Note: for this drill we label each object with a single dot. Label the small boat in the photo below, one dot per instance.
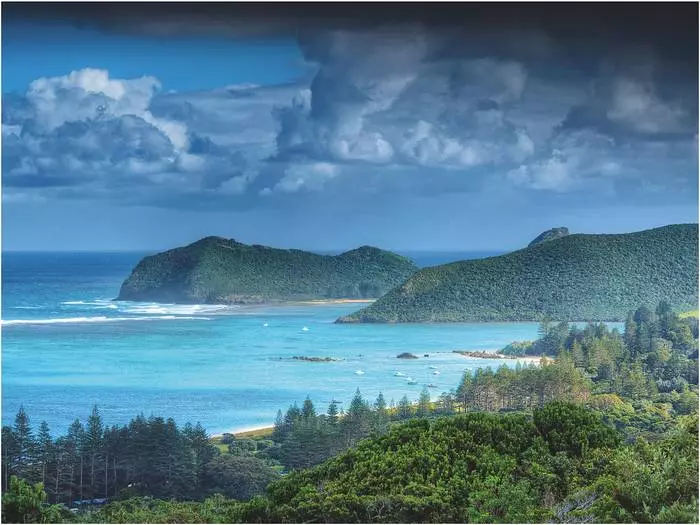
(412, 382)
(399, 374)
(431, 385)
(359, 373)
(265, 324)
(433, 367)
(436, 373)
(305, 329)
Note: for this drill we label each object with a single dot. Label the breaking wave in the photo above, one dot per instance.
(98, 319)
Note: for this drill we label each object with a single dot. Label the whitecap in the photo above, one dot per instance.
(173, 309)
(97, 304)
(305, 329)
(96, 319)
(359, 373)
(29, 307)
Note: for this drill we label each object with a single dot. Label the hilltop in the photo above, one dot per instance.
(218, 270)
(550, 235)
(574, 277)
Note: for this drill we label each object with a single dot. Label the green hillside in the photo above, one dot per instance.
(576, 277)
(217, 270)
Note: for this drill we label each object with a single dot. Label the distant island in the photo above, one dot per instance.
(572, 277)
(215, 270)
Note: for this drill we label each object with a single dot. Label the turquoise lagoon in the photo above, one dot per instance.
(66, 346)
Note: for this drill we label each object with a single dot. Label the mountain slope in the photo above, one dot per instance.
(550, 235)
(576, 277)
(217, 270)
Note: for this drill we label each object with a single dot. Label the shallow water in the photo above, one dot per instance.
(66, 346)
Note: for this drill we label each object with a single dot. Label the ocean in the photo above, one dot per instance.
(66, 345)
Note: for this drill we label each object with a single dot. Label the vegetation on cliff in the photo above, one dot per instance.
(217, 270)
(576, 277)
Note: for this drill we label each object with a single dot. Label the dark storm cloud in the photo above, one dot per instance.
(411, 98)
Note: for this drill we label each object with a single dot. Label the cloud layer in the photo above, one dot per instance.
(390, 110)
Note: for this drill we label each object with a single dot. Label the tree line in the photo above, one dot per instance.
(149, 456)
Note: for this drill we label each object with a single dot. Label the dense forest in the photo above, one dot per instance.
(606, 432)
(575, 278)
(217, 270)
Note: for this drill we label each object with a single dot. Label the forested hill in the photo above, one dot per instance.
(576, 277)
(217, 270)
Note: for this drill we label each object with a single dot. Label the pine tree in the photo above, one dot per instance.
(332, 413)
(380, 404)
(94, 439)
(404, 410)
(74, 448)
(9, 454)
(423, 403)
(23, 462)
(308, 412)
(278, 432)
(578, 356)
(45, 450)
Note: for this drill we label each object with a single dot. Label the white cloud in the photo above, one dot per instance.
(306, 177)
(636, 105)
(90, 95)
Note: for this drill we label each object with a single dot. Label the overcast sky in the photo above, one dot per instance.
(454, 127)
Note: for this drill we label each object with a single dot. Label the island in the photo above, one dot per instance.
(215, 270)
(574, 277)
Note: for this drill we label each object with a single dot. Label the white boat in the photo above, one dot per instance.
(433, 367)
(409, 379)
(436, 373)
(265, 324)
(359, 373)
(305, 329)
(412, 382)
(399, 374)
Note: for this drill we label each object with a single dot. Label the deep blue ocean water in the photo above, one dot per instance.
(66, 346)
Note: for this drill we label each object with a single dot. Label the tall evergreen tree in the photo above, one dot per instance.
(308, 412)
(45, 450)
(25, 447)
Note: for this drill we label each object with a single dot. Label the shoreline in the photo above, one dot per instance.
(494, 354)
(334, 301)
(243, 432)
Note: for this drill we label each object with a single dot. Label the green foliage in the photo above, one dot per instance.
(522, 387)
(24, 503)
(652, 482)
(577, 277)
(148, 456)
(238, 477)
(518, 348)
(471, 468)
(217, 270)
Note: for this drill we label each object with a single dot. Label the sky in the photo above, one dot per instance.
(451, 127)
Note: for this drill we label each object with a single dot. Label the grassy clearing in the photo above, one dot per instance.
(254, 434)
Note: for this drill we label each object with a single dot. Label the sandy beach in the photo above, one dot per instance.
(246, 432)
(494, 354)
(336, 301)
